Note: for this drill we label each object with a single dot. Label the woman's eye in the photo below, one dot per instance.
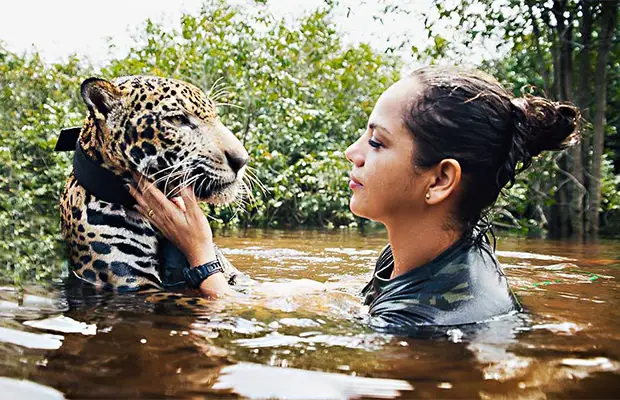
(179, 120)
(374, 143)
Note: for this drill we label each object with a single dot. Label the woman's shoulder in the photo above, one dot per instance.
(462, 286)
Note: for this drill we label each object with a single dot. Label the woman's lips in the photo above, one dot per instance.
(354, 183)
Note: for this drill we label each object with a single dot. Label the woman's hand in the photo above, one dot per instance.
(182, 222)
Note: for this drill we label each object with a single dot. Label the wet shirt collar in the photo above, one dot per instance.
(385, 265)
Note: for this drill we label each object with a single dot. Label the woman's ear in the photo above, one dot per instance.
(447, 176)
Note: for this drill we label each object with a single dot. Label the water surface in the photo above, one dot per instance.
(300, 333)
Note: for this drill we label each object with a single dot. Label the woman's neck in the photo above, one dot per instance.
(417, 242)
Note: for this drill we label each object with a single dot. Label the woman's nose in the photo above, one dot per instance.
(354, 154)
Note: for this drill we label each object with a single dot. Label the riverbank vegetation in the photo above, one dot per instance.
(299, 94)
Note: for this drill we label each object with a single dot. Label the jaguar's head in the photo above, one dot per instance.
(169, 131)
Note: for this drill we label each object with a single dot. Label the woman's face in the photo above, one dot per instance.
(383, 181)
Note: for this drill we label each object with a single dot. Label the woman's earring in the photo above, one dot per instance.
(428, 195)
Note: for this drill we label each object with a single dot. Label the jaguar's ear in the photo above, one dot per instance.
(100, 96)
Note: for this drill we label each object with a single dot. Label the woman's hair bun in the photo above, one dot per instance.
(541, 124)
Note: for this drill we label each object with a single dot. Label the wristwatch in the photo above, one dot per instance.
(194, 276)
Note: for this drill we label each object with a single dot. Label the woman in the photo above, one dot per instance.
(440, 145)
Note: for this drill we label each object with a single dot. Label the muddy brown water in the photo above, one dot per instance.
(300, 333)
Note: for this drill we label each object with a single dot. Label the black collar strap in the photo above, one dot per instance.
(101, 182)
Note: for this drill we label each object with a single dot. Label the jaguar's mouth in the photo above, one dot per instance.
(207, 188)
(210, 190)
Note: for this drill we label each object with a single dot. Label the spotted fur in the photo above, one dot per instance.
(167, 130)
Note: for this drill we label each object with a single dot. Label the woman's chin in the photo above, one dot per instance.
(358, 209)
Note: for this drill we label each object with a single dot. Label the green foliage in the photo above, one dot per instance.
(35, 102)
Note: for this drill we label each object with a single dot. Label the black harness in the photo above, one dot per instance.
(101, 182)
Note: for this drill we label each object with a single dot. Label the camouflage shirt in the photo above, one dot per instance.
(465, 284)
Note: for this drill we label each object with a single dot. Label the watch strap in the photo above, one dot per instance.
(196, 275)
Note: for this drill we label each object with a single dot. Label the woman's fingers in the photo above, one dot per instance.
(151, 215)
(187, 193)
(151, 212)
(152, 202)
(179, 219)
(179, 202)
(153, 196)
(147, 200)
(189, 198)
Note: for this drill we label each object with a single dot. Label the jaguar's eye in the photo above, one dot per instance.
(178, 120)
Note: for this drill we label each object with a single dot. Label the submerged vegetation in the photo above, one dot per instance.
(295, 94)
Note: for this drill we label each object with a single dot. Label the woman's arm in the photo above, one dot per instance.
(185, 225)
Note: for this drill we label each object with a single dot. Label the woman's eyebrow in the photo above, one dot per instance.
(374, 125)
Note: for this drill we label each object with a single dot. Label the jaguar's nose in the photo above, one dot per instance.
(236, 161)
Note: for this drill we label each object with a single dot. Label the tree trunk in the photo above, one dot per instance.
(557, 221)
(609, 14)
(584, 98)
(569, 196)
(555, 85)
(565, 59)
(576, 154)
(539, 54)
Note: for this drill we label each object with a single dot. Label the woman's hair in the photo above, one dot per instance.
(468, 116)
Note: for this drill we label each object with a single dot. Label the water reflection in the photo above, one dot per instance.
(299, 331)
(18, 389)
(254, 381)
(30, 340)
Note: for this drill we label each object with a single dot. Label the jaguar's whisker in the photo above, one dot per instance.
(223, 91)
(214, 85)
(186, 177)
(256, 181)
(178, 166)
(178, 188)
(247, 189)
(173, 166)
(230, 105)
(207, 181)
(180, 173)
(172, 176)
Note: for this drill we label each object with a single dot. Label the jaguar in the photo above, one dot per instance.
(169, 132)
